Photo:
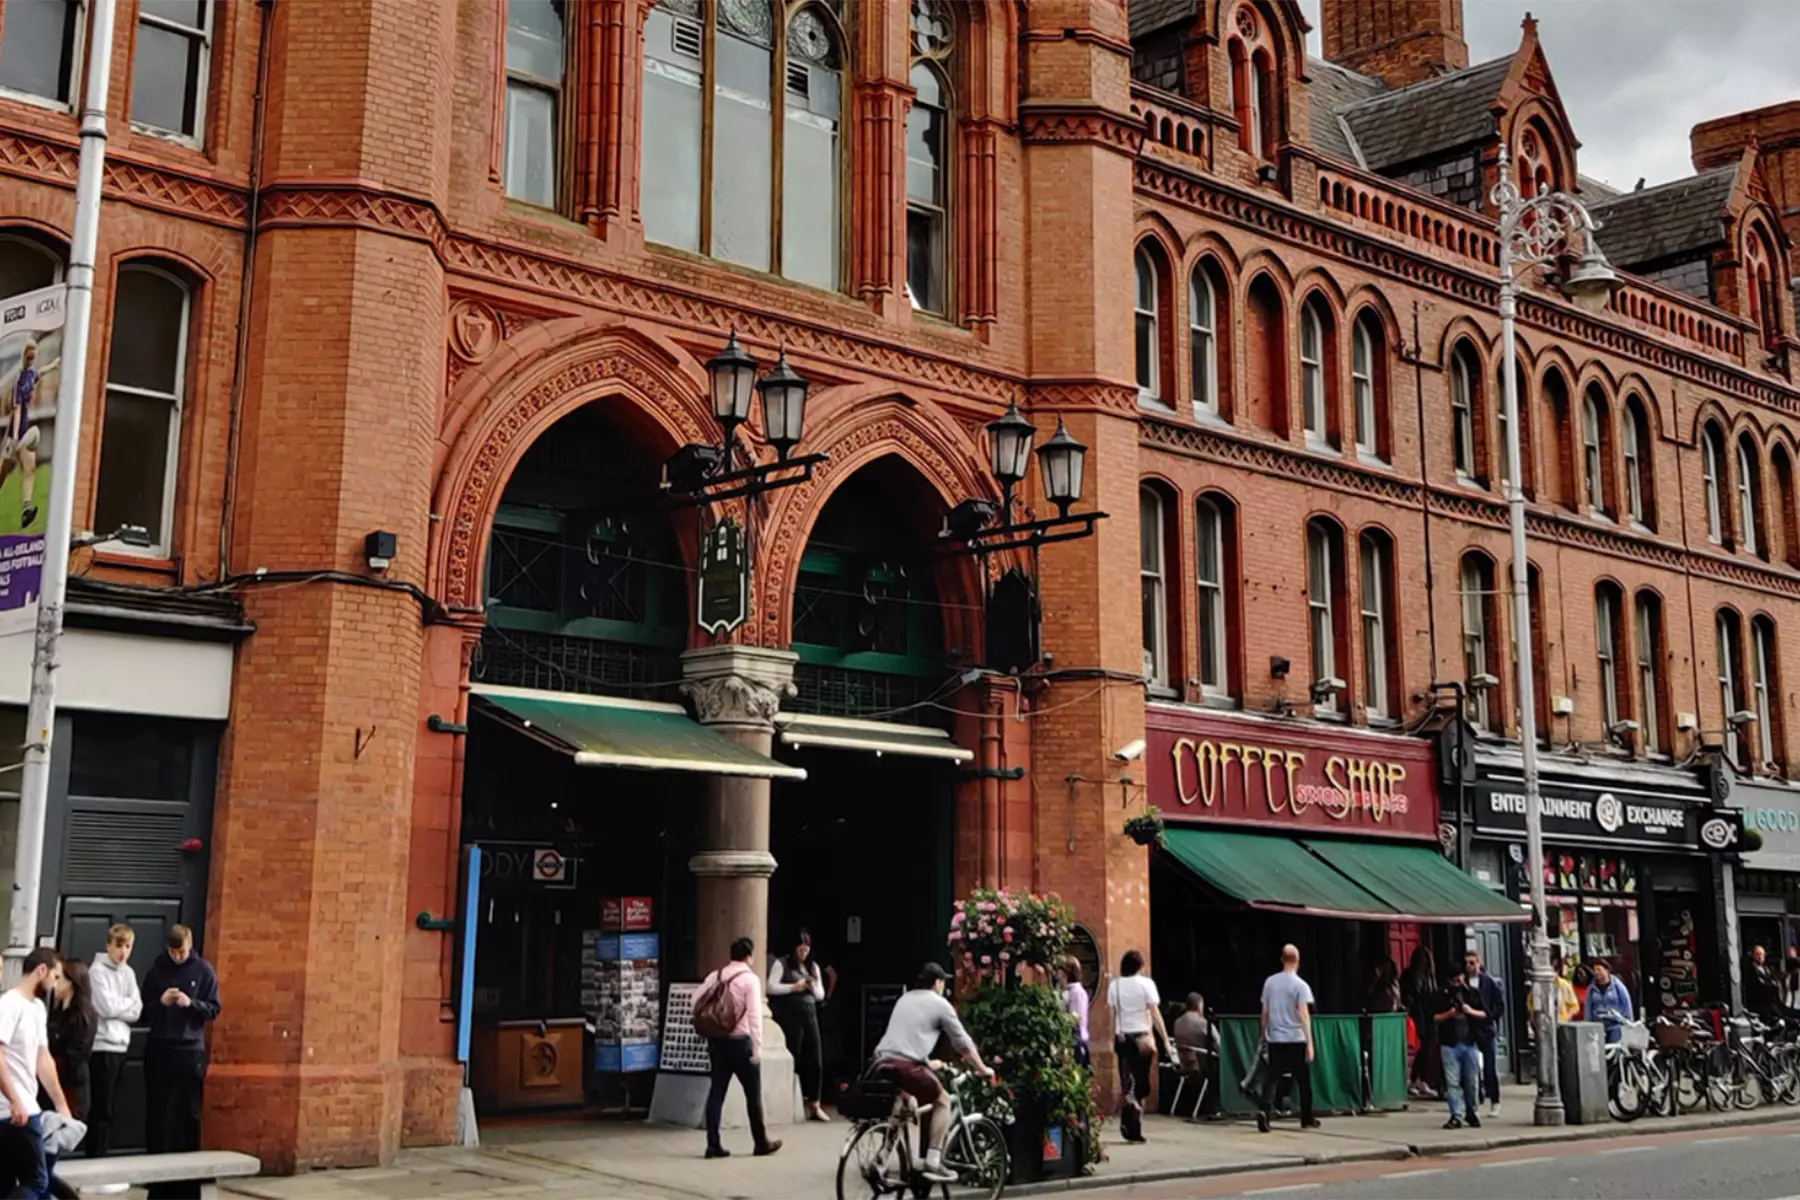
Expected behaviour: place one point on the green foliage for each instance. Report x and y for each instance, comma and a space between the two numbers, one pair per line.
1028, 1037
992, 931
1146, 828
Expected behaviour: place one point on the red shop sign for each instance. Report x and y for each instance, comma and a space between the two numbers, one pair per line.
629, 913
1290, 775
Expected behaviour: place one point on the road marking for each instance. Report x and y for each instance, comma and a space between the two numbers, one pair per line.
1517, 1162
1630, 1149
1419, 1174
1720, 1141
1292, 1187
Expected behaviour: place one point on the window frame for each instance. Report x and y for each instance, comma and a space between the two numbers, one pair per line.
1477, 577
1649, 668
1325, 603
1593, 454
939, 212
1156, 578
1363, 383
1728, 634
77, 68
1203, 365
1463, 404
1607, 615
1712, 474
1749, 497
162, 540
1148, 374
561, 142
1640, 478
1315, 391
1764, 667
1375, 556
202, 85
1209, 512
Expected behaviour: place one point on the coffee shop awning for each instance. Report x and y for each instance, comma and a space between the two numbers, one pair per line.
878, 737
602, 731
1359, 881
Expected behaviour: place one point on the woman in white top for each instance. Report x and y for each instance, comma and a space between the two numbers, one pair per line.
796, 985
1137, 1028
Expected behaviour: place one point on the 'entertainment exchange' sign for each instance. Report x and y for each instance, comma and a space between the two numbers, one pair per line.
1613, 817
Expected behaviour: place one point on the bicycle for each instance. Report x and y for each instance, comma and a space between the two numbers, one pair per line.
1766, 1073
1629, 1082
879, 1155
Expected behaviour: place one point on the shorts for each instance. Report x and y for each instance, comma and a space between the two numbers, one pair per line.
915, 1078
29, 441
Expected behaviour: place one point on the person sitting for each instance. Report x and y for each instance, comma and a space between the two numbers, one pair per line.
1196, 1051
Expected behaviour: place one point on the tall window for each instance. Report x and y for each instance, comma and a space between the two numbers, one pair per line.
168, 75
1712, 467
1366, 334
711, 175
1203, 344
1313, 397
1640, 467
1527, 446
1324, 598
38, 49
536, 56
1763, 665
1463, 415
1731, 684
1151, 578
1564, 485
146, 382
1213, 534
1593, 450
927, 133
1479, 635
1649, 669
1788, 507
1607, 631
1147, 306
1376, 555
1749, 487
25, 265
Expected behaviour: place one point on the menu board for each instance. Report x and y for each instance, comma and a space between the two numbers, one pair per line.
878, 1000
620, 990
1678, 974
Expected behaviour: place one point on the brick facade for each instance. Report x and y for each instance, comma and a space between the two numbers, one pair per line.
411, 331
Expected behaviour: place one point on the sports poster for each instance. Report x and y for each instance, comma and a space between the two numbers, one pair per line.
31, 335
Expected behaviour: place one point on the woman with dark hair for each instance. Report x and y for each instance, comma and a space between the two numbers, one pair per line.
1137, 1029
1418, 988
796, 986
72, 1026
1384, 988
1075, 999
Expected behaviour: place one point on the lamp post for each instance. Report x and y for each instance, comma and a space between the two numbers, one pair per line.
704, 474
1537, 232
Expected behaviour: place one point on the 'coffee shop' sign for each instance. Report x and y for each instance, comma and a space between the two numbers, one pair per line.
1209, 767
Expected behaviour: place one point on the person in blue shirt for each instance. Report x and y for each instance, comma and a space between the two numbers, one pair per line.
1608, 1000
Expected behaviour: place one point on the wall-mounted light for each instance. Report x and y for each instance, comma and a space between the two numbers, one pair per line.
1279, 667
381, 548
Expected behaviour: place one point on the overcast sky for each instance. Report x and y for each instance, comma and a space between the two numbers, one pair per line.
1636, 75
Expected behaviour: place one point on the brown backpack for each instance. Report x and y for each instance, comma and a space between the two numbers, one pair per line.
717, 1009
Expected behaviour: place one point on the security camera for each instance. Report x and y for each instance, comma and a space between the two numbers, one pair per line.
1325, 689
1484, 682
1623, 728
1740, 718
1131, 751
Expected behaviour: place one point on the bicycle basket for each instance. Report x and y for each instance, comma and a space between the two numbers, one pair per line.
1633, 1035
868, 1099
1673, 1037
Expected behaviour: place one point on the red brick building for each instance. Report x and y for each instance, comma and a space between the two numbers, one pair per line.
359, 261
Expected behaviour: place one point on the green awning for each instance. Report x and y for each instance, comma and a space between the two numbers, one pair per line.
1418, 881
600, 731
1269, 871
875, 737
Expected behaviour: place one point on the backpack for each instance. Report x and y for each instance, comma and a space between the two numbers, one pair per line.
716, 1011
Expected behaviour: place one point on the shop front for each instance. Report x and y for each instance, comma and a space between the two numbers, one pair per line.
1767, 878
1282, 831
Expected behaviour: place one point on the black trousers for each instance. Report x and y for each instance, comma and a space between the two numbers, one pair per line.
731, 1059
799, 1021
103, 1069
1490, 1067
1288, 1059
173, 1078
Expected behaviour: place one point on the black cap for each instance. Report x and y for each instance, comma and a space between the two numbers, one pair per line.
931, 972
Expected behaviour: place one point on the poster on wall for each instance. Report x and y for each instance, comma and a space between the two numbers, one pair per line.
31, 334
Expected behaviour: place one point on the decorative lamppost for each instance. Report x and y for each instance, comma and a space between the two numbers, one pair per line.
1548, 228
977, 527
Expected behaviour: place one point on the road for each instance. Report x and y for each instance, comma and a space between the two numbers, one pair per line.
1760, 1163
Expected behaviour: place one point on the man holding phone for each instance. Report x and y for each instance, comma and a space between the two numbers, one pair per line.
181, 994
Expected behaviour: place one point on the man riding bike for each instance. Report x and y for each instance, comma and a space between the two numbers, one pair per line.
919, 1019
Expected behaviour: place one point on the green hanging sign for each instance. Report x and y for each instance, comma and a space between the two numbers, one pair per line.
724, 589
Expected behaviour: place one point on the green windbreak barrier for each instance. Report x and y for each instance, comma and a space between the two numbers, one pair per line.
1417, 881
1387, 1060
1336, 1069
1273, 872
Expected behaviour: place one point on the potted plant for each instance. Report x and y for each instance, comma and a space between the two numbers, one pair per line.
1146, 828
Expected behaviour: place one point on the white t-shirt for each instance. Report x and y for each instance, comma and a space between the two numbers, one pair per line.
24, 1030
1131, 997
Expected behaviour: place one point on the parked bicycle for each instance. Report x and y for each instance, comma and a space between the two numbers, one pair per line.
882, 1155
1629, 1083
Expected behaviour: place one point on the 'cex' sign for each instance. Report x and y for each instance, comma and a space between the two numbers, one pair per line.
632, 914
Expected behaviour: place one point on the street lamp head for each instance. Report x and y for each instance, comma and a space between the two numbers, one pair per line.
784, 405
1062, 460
733, 374
1011, 446
1591, 284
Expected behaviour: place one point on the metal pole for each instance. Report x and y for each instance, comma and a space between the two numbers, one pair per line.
40, 721
1548, 1109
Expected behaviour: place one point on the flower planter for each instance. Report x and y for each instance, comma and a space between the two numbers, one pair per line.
1039, 1153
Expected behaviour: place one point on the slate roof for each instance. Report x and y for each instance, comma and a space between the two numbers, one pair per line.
1334, 87
1667, 220
1149, 16
1427, 118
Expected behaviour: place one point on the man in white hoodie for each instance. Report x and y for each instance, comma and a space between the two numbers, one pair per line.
117, 1004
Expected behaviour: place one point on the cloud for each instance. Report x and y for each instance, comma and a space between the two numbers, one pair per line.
1637, 75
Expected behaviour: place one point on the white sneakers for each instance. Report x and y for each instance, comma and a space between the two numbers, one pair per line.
1494, 1109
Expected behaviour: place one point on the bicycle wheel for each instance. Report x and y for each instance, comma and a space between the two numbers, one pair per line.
1628, 1088
1723, 1084
870, 1161
1662, 1088
977, 1153
1689, 1087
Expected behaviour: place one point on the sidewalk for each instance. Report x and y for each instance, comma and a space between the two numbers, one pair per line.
641, 1162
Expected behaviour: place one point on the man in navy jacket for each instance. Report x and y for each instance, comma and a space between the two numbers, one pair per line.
181, 994
1493, 1003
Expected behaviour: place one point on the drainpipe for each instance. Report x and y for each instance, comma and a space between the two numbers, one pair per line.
993, 816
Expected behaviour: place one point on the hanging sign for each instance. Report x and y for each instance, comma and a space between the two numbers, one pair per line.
31, 333
724, 590
547, 866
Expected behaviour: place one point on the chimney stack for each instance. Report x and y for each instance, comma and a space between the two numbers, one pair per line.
1398, 41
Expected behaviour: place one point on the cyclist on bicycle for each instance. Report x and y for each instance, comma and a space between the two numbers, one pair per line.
1608, 1000
919, 1019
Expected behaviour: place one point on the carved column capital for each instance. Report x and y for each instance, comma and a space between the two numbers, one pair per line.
738, 685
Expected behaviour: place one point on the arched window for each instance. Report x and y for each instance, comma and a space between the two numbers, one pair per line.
1640, 465
1375, 551
1763, 298
1562, 441
1203, 342
1262, 63
1730, 645
1465, 414
26, 265
1596, 452
1326, 611
1788, 519
1765, 667
1243, 99
1253, 99
1712, 468
1481, 673
1153, 578
1538, 169
1316, 400
1502, 450
536, 65
146, 384
1749, 492
1368, 374
1265, 350
1147, 311
927, 210
1609, 634
1215, 540
758, 139
1652, 681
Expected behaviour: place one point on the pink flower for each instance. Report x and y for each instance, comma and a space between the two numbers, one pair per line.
1007, 933
957, 920
987, 906
953, 936
987, 960
1005, 957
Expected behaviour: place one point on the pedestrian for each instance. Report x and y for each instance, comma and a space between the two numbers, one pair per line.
1383, 995
1287, 1002
25, 1062
1137, 1028
1568, 1007
1197, 1047
737, 1053
1762, 986
1075, 999
1418, 991
1458, 1013
1608, 1000
796, 988
184, 996
1790, 995
118, 1005
1487, 1029
72, 1026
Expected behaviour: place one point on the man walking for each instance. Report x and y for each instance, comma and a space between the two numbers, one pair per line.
25, 1062
738, 1053
1487, 1030
183, 995
1458, 1013
1287, 1002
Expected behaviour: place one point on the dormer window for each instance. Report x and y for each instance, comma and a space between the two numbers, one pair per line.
1253, 92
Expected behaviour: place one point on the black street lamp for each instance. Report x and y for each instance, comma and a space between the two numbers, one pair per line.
1062, 461
702, 474
971, 528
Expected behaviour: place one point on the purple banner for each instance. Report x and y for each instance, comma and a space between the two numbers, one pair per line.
31, 334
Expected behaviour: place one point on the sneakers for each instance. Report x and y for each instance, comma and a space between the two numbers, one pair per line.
938, 1174
1453, 1123
819, 1115
1474, 1121
765, 1151
1262, 1122
27, 516
717, 1152
1494, 1109
1311, 1125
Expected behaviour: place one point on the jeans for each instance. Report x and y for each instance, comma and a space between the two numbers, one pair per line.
1135, 1067
1288, 1059
25, 1171
104, 1068
173, 1076
1462, 1081
799, 1021
731, 1059
1490, 1066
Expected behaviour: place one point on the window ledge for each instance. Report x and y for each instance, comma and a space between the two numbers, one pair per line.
1319, 445
1153, 401
190, 143
1219, 701
1376, 722
150, 561
1211, 416
44, 102
1472, 483
1161, 691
